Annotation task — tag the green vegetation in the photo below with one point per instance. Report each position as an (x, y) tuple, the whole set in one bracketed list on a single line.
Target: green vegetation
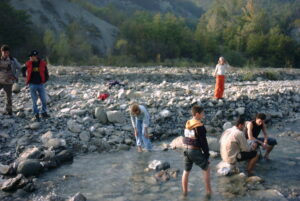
[(17, 31), (246, 32)]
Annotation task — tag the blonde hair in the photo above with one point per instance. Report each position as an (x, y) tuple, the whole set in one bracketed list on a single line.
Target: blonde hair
[(222, 58), (135, 109)]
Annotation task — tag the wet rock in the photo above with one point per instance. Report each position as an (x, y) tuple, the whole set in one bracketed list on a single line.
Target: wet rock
[(270, 194), (254, 179), (150, 180), (100, 114), (11, 184), (123, 147), (64, 156), (163, 166), (78, 197), (29, 167), (162, 176), (115, 116), (173, 173)]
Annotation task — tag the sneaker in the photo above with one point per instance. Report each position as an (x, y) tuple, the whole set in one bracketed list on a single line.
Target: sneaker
[(45, 115), (37, 117)]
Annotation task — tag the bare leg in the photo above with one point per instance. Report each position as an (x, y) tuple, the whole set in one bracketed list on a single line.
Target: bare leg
[(251, 164), (139, 148), (184, 182), (206, 176), (268, 150)]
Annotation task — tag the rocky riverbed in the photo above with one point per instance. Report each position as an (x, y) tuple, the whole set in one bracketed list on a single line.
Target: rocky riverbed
[(82, 123)]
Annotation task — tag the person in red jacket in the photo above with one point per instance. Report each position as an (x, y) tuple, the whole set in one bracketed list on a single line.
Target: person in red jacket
[(36, 74)]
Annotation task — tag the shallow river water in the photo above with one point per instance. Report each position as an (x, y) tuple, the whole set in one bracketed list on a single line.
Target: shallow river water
[(120, 176)]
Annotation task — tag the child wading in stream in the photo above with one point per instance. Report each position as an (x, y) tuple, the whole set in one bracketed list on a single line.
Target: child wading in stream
[(140, 120), (196, 149)]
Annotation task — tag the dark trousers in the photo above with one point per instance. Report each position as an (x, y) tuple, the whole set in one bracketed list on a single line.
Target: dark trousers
[(8, 91)]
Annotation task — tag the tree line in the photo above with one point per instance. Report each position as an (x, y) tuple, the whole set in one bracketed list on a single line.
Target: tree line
[(246, 32)]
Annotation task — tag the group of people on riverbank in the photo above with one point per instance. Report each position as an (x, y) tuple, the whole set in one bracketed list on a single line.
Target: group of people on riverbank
[(239, 143), (35, 73)]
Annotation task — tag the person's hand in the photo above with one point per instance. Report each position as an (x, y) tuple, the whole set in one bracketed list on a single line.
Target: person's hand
[(135, 133), (146, 135), (265, 146)]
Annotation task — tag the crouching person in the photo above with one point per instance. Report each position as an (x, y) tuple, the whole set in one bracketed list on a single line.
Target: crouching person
[(140, 119), (234, 146), (196, 149)]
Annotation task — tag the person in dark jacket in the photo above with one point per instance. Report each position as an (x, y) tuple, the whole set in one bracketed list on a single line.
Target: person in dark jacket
[(196, 149), (36, 74), (9, 70)]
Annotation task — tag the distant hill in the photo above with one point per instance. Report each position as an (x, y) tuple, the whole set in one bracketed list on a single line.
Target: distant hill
[(56, 15)]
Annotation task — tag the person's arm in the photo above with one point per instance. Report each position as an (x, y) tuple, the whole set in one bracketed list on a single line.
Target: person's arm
[(133, 120), (215, 73), (265, 134), (18, 69), (203, 142), (46, 74), (146, 118), (242, 142)]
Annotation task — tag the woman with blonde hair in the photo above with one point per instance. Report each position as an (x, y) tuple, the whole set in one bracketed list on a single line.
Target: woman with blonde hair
[(220, 77), (140, 119)]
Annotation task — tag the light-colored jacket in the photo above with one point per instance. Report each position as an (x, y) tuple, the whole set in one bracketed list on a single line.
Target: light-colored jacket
[(232, 143), (144, 115), (15, 69)]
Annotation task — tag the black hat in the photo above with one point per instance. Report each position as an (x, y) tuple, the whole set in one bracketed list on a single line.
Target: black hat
[(33, 53)]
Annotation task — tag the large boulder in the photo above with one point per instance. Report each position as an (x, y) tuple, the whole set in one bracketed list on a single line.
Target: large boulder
[(115, 116), (177, 143), (100, 114), (64, 156), (29, 167), (30, 153)]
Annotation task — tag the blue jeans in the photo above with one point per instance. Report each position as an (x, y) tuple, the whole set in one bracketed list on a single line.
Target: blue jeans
[(35, 91), (141, 139)]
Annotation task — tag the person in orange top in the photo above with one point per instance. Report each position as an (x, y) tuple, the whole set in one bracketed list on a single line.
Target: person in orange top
[(220, 77)]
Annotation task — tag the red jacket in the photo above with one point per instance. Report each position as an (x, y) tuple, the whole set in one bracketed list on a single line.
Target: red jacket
[(42, 70)]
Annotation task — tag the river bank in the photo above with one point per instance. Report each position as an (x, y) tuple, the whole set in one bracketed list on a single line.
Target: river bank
[(81, 123)]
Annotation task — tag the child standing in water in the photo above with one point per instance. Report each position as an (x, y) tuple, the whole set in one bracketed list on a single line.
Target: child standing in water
[(220, 77), (196, 149), (140, 120)]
